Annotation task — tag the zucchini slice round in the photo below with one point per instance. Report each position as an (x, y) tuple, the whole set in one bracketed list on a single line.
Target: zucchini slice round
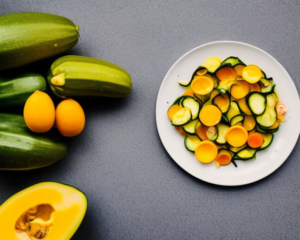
[(191, 142), (182, 117), (257, 103), (192, 104)]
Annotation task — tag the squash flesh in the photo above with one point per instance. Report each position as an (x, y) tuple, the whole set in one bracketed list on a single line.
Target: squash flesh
[(69, 206)]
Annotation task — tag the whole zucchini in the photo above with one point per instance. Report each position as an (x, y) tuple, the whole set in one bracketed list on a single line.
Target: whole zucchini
[(28, 37), (14, 91), (21, 149), (71, 76)]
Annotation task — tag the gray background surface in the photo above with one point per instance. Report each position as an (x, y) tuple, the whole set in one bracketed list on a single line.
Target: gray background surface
[(135, 190)]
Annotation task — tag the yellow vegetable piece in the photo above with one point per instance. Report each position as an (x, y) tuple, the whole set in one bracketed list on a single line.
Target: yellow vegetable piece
[(206, 152), (240, 89), (223, 158), (226, 74), (201, 132), (275, 125), (202, 85), (252, 73), (239, 69), (70, 118), (222, 101), (249, 123), (255, 87), (244, 106), (236, 136), (173, 110), (47, 210), (39, 112), (210, 115), (189, 92), (212, 63)]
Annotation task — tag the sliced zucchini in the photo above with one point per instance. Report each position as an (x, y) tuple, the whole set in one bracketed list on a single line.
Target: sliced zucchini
[(182, 117), (190, 128), (269, 88), (269, 117), (237, 119), (178, 100), (233, 61), (245, 154), (264, 82), (213, 93), (240, 89), (191, 142), (260, 129), (222, 129), (222, 101), (212, 133), (192, 104), (233, 111), (268, 138), (212, 76), (244, 106), (257, 102), (249, 123), (212, 63), (201, 131), (237, 149), (226, 73), (239, 70)]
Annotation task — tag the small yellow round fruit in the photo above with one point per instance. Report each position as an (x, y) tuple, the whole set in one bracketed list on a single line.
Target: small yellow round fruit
[(39, 112), (70, 118)]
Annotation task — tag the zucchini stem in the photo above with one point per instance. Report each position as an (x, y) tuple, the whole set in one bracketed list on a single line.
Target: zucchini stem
[(58, 80)]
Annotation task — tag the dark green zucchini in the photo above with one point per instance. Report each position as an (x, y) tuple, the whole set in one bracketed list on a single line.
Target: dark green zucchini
[(15, 90), (72, 76), (21, 149), (31, 36)]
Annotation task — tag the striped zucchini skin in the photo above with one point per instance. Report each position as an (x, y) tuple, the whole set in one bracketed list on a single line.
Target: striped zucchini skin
[(72, 75), (28, 37), (21, 149), (14, 91)]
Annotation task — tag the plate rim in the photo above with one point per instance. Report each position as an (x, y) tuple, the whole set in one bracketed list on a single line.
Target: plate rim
[(195, 49)]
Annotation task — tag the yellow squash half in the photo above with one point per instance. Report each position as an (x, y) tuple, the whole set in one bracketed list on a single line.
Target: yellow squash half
[(48, 210)]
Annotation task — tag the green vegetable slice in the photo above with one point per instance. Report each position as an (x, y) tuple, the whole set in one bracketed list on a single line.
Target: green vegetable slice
[(190, 128), (191, 142), (269, 117), (257, 102), (192, 104), (222, 129), (245, 154), (268, 138), (182, 117)]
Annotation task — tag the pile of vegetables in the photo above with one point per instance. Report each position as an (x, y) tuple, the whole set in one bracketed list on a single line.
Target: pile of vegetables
[(229, 111), (26, 39), (30, 141)]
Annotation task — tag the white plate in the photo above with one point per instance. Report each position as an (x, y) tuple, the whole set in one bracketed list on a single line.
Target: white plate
[(267, 161)]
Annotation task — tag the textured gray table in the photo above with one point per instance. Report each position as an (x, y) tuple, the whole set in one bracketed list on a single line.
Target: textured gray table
[(135, 190)]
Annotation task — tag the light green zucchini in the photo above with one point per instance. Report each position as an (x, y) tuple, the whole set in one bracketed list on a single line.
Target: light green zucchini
[(72, 75)]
